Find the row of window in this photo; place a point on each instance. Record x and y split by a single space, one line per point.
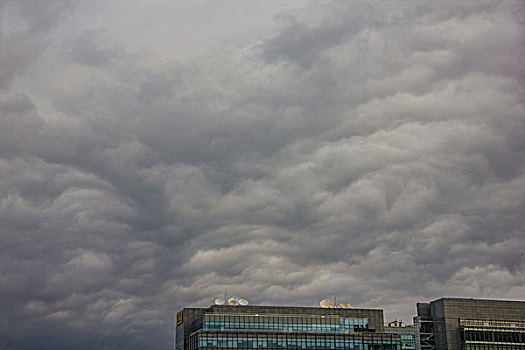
494 347
283 327
328 319
285 324
492 323
235 341
497 337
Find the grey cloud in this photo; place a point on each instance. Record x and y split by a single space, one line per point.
92 49
305 44
366 150
20 123
25 29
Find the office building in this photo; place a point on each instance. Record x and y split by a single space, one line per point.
406 332
279 327
470 324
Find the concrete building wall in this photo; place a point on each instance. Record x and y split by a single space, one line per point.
478 309
437 310
446 313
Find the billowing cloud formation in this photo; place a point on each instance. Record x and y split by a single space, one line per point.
154 156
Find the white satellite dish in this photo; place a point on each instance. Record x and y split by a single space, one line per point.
243 302
220 301
326 303
233 301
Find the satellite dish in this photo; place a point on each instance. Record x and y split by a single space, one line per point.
233 301
350 306
342 306
243 302
220 301
326 303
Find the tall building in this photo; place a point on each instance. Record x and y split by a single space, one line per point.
278 327
406 332
470 324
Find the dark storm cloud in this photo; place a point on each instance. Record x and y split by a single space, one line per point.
366 150
24 28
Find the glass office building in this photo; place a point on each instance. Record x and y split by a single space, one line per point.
267 327
406 332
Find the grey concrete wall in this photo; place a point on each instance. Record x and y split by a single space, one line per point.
446 313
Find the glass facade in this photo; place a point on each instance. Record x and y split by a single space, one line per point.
285 323
264 340
282 327
407 335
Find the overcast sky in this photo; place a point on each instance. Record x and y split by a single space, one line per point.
158 154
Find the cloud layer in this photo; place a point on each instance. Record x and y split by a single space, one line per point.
155 156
